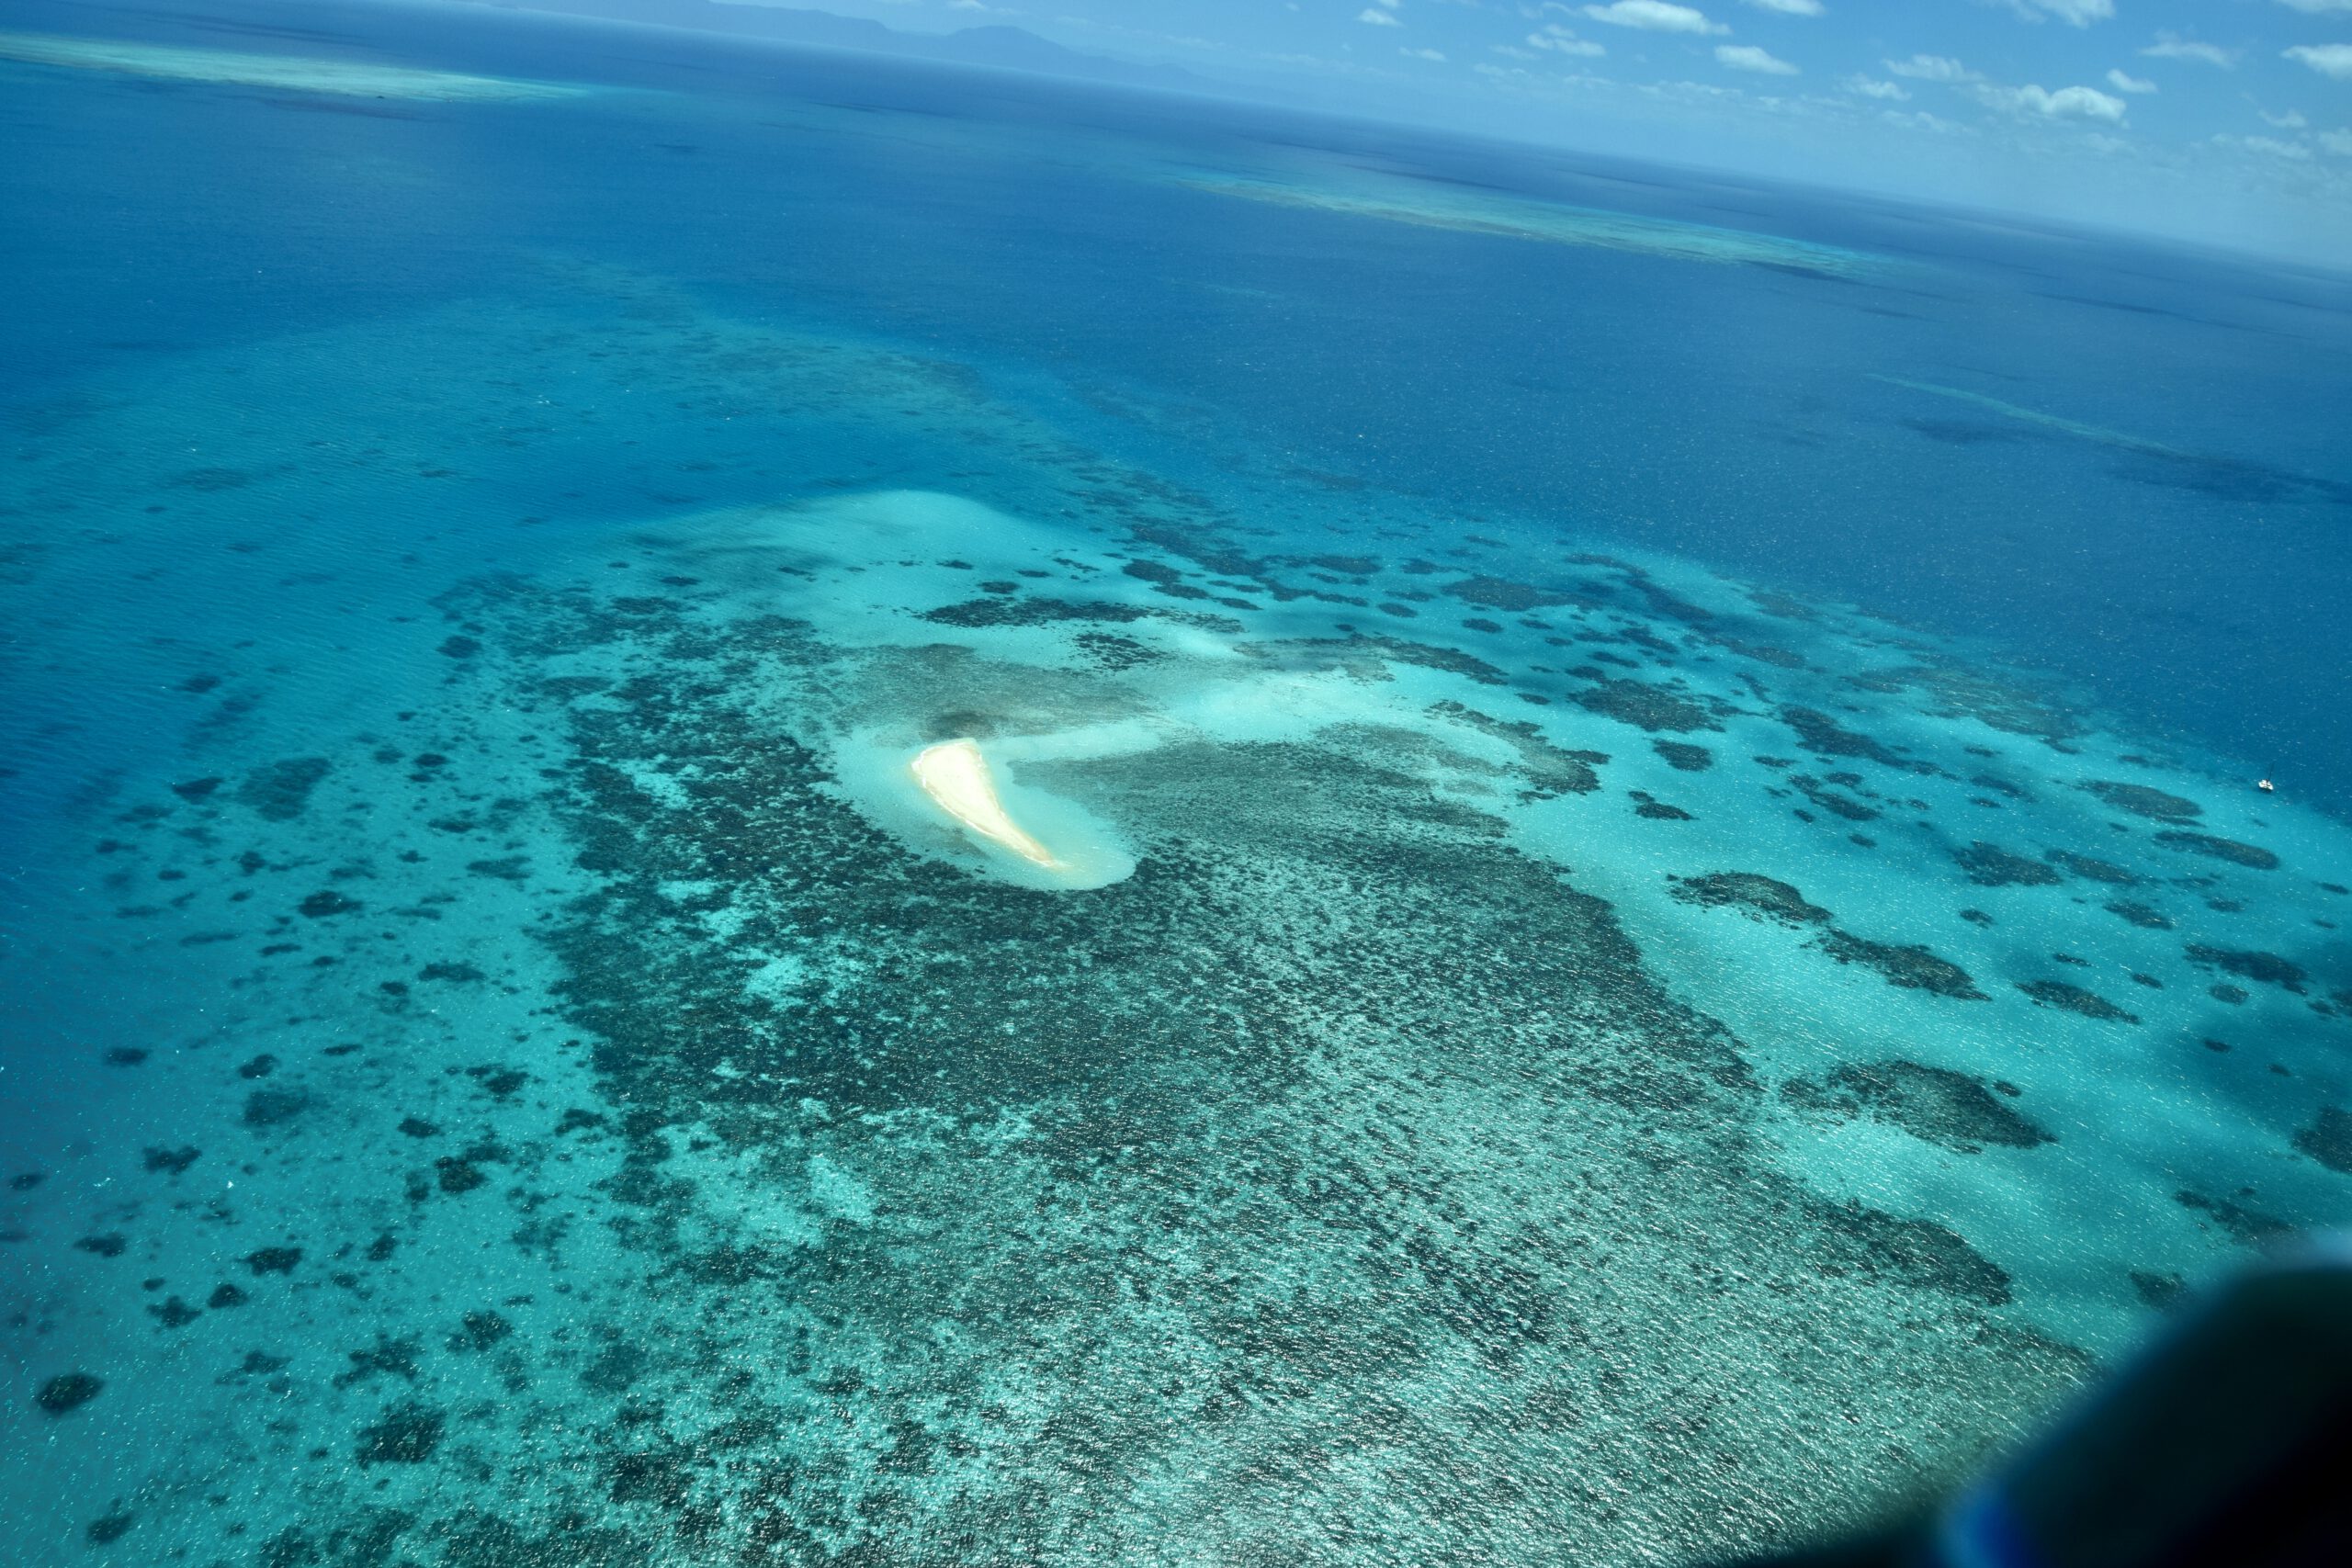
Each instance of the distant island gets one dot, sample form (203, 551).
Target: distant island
(996, 46)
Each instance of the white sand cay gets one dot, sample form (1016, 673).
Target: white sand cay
(954, 774)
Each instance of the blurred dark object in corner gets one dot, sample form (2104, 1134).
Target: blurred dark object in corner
(2228, 1443)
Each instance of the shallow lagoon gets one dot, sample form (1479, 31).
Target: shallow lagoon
(1596, 1037)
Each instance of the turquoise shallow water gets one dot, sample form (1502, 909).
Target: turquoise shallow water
(1660, 933)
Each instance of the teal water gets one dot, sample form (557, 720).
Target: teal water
(1658, 931)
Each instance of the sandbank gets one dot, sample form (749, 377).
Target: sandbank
(954, 774)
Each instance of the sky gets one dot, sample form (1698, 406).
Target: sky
(2221, 122)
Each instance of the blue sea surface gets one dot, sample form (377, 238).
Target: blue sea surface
(1607, 901)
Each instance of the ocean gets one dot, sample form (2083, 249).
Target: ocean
(776, 808)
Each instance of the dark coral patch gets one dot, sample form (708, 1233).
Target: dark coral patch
(2074, 999)
(2266, 968)
(1825, 736)
(1684, 757)
(1917, 1252)
(1910, 966)
(1424, 655)
(1999, 704)
(1501, 593)
(2139, 799)
(1757, 896)
(1953, 1110)
(1550, 771)
(174, 1312)
(2091, 868)
(69, 1391)
(1643, 704)
(2250, 855)
(1115, 652)
(480, 1330)
(1989, 865)
(279, 791)
(273, 1107)
(1024, 611)
(2329, 1139)
(2250, 1227)
(408, 1433)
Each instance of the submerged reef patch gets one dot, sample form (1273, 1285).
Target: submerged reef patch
(1550, 771)
(2145, 801)
(67, 1390)
(1643, 704)
(1825, 736)
(1989, 865)
(2074, 999)
(1954, 1110)
(2252, 856)
(1910, 966)
(1761, 897)
(279, 792)
(2268, 968)
(2329, 1138)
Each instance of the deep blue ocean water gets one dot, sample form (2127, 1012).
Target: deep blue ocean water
(1659, 930)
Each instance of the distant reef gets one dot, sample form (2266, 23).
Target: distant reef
(996, 47)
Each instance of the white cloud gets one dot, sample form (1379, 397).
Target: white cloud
(2316, 7)
(1423, 53)
(1931, 68)
(2172, 46)
(2338, 141)
(1893, 91)
(1920, 120)
(2079, 13)
(2327, 59)
(2292, 120)
(1654, 15)
(2087, 103)
(1799, 8)
(1747, 57)
(1560, 40)
(1378, 18)
(2122, 84)
(2269, 145)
